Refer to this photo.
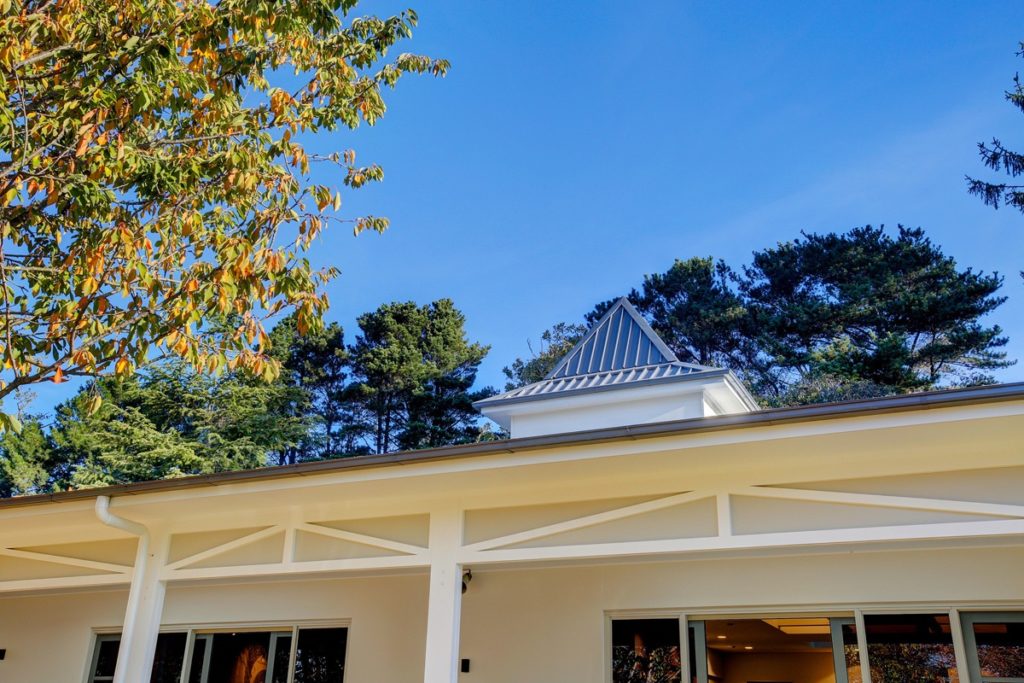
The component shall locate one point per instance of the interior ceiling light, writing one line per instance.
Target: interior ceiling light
(721, 637)
(748, 647)
(801, 627)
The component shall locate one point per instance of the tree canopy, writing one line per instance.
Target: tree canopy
(406, 383)
(152, 174)
(827, 316)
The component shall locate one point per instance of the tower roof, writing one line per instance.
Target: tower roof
(619, 351)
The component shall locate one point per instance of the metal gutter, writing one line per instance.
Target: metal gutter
(764, 418)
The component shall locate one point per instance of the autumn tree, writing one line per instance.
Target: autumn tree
(152, 174)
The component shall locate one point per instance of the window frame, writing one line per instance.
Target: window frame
(207, 631)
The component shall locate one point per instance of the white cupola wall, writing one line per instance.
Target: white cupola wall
(620, 374)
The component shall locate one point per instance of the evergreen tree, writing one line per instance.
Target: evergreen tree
(171, 421)
(695, 308)
(414, 366)
(554, 344)
(315, 365)
(27, 458)
(997, 157)
(865, 306)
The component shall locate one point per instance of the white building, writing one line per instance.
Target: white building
(645, 522)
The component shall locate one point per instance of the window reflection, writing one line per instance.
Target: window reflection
(910, 648)
(645, 651)
(1000, 648)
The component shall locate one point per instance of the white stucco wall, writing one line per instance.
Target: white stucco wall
(548, 626)
(537, 625)
(49, 639)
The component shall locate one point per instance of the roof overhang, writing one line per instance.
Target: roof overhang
(739, 423)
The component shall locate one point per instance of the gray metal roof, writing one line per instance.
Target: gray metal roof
(621, 339)
(620, 349)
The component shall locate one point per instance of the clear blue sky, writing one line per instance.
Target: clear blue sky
(577, 145)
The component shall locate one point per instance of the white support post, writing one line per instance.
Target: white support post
(444, 606)
(142, 616)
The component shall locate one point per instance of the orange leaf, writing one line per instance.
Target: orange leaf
(58, 376)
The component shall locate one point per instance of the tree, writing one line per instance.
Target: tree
(172, 421)
(865, 306)
(414, 366)
(316, 364)
(695, 308)
(26, 460)
(151, 174)
(1000, 159)
(554, 344)
(825, 317)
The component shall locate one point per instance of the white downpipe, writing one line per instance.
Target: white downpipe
(137, 646)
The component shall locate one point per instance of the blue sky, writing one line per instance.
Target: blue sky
(577, 145)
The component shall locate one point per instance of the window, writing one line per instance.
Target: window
(910, 647)
(240, 656)
(995, 646)
(167, 662)
(645, 651)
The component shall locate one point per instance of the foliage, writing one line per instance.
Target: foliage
(825, 317)
(316, 365)
(695, 308)
(868, 306)
(152, 178)
(414, 367)
(554, 344)
(411, 373)
(1000, 159)
(172, 421)
(26, 460)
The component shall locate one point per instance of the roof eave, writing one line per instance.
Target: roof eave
(776, 416)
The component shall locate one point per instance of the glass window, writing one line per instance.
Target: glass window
(232, 657)
(167, 661)
(995, 644)
(645, 651)
(320, 655)
(910, 648)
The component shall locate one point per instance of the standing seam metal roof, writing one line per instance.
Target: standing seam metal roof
(620, 349)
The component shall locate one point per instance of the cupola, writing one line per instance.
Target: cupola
(621, 373)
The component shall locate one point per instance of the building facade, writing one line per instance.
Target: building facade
(644, 523)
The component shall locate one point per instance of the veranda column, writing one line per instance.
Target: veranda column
(444, 607)
(142, 615)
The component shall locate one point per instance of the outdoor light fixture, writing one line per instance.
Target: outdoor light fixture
(467, 576)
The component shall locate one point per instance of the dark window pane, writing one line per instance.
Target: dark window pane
(282, 652)
(239, 657)
(195, 672)
(1000, 649)
(106, 658)
(645, 651)
(169, 658)
(910, 648)
(320, 655)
